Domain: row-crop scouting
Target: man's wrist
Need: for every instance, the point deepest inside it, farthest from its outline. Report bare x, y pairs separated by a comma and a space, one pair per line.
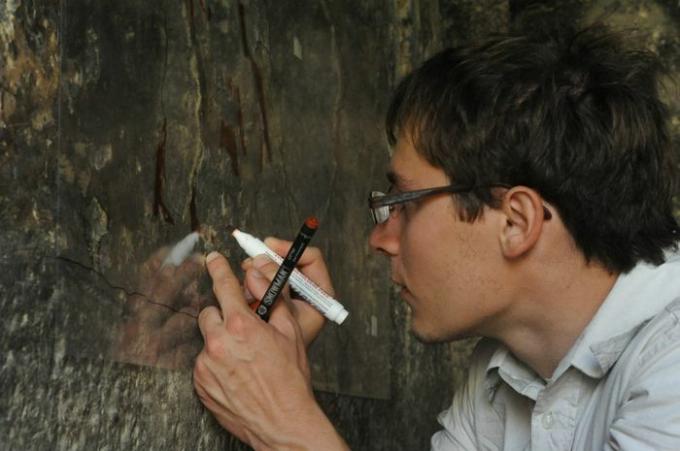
312, 431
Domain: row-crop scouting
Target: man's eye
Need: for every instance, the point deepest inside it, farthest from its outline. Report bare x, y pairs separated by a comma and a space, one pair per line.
392, 189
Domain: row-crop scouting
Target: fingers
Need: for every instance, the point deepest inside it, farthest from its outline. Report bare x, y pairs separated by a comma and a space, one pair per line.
281, 247
284, 322
259, 276
257, 279
226, 286
247, 264
311, 262
248, 296
261, 270
310, 320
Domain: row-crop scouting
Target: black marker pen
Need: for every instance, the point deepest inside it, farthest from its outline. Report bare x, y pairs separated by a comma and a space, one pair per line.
287, 267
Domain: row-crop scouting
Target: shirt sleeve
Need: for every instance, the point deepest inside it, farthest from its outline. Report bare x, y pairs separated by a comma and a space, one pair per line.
649, 418
458, 421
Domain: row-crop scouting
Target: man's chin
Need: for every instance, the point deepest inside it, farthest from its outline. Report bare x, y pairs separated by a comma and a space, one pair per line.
432, 337
424, 336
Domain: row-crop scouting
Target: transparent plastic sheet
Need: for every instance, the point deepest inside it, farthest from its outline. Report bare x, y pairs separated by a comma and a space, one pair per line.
150, 319
158, 325
134, 309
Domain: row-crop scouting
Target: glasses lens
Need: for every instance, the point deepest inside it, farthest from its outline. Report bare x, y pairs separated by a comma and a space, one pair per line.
378, 214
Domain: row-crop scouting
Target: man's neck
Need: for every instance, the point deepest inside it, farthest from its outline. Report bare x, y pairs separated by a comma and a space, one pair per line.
548, 318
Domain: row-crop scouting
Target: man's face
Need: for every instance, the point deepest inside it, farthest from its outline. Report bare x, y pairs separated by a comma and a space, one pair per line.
447, 268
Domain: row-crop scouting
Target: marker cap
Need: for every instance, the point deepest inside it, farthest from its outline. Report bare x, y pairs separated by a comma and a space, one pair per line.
338, 315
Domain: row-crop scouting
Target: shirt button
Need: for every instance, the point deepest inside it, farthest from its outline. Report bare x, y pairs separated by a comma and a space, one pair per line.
548, 420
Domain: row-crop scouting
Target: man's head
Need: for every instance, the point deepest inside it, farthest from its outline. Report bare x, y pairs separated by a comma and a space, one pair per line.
572, 129
575, 116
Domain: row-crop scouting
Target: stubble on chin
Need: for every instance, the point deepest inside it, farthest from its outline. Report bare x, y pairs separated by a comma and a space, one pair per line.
431, 337
424, 336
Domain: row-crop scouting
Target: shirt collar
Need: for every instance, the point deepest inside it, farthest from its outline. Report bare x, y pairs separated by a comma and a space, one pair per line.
503, 365
634, 299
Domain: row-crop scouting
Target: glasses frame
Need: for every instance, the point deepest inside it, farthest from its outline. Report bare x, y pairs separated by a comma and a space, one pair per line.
376, 202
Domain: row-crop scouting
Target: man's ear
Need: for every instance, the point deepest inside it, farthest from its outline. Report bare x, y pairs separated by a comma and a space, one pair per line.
523, 215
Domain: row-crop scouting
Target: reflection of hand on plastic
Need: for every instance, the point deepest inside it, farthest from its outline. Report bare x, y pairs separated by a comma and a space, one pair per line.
160, 323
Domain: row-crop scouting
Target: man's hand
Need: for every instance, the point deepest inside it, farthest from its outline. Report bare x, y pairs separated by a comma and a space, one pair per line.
254, 376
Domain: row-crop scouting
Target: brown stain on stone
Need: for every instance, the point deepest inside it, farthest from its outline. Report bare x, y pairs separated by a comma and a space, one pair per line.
259, 84
240, 121
207, 12
235, 94
190, 8
193, 213
228, 143
158, 204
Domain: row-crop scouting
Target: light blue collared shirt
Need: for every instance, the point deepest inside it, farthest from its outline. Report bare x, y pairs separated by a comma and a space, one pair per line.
618, 387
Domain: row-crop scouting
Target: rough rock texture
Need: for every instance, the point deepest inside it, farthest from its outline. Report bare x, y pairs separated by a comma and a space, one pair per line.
125, 125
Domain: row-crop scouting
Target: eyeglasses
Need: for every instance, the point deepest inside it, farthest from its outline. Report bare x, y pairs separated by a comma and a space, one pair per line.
381, 204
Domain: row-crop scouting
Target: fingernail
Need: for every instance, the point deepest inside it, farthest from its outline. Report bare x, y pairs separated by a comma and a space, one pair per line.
257, 274
212, 256
248, 295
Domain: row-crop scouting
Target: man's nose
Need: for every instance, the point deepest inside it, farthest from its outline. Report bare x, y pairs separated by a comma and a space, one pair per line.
384, 237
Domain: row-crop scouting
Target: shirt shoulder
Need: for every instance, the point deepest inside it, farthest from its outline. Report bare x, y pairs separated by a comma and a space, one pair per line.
644, 394
657, 337
653, 355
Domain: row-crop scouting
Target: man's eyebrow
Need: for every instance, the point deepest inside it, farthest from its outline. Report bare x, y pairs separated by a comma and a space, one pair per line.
396, 180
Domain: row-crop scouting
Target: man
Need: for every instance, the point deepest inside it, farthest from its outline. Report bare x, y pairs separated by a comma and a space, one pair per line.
530, 204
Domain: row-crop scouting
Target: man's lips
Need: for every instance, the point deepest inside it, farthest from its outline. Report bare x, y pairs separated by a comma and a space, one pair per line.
403, 290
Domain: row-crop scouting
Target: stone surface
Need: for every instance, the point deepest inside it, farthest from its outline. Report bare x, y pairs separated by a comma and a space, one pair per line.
125, 125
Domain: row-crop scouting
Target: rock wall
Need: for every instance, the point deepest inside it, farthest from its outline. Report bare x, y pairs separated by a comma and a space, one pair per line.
126, 125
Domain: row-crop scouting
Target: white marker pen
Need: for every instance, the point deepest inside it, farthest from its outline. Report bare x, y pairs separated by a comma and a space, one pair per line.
310, 291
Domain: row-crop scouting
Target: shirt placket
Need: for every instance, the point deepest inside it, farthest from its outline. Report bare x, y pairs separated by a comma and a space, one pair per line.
553, 420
